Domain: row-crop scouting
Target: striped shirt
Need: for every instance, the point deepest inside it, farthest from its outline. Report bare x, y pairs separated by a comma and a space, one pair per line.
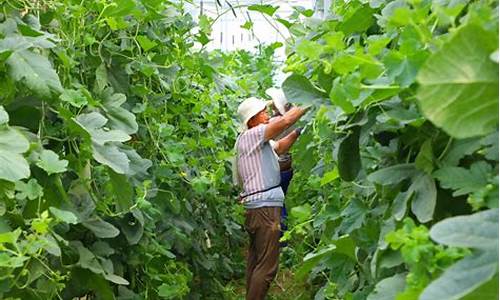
258, 169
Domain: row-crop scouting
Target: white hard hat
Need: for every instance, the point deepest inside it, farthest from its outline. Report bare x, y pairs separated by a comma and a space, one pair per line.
279, 99
249, 108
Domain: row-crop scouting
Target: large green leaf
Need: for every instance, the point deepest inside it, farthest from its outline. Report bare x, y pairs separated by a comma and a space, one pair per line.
101, 228
50, 162
489, 290
464, 181
112, 157
31, 190
479, 230
388, 288
353, 216
459, 84
119, 118
34, 71
463, 277
64, 215
342, 93
424, 199
393, 174
132, 226
359, 21
13, 166
299, 89
459, 149
94, 123
119, 8
138, 166
122, 190
400, 204
349, 161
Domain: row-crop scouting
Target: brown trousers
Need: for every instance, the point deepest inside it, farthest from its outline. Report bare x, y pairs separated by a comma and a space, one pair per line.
263, 226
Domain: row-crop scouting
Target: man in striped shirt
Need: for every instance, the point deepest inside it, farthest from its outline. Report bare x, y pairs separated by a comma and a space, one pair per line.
259, 174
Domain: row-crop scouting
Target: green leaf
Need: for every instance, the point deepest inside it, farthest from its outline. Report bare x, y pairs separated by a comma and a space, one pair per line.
349, 161
489, 290
393, 174
122, 190
248, 25
329, 176
464, 181
74, 97
50, 244
459, 84
334, 40
425, 158
353, 216
94, 123
463, 277
264, 8
13, 166
87, 259
138, 166
387, 226
116, 279
388, 288
343, 92
4, 117
345, 63
479, 230
400, 204
402, 68
64, 215
424, 199
101, 228
132, 226
285, 22
459, 149
49, 161
31, 190
299, 89
170, 291
10, 237
359, 21
301, 213
308, 49
345, 245
119, 118
111, 156
119, 8
4, 55
34, 71
146, 43
101, 77
320, 253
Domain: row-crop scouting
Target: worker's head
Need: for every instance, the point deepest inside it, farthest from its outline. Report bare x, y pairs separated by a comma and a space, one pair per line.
253, 111
280, 103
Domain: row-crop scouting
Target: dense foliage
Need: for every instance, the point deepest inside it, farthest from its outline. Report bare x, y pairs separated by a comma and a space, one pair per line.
403, 140
116, 132
117, 127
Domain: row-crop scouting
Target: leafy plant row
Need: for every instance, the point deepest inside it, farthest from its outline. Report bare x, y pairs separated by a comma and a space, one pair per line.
115, 137
397, 191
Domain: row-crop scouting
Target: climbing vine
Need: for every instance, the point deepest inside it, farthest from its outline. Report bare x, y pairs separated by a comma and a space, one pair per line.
116, 132
396, 193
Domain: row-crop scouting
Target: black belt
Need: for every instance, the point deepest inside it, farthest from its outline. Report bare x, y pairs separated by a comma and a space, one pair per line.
262, 191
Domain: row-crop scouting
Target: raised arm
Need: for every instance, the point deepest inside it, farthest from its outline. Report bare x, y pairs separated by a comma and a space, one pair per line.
279, 125
283, 145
